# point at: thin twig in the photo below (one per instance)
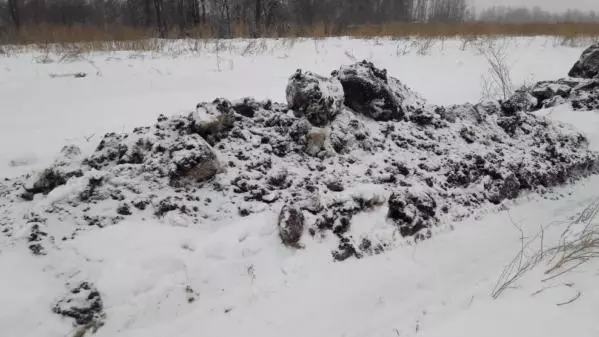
(543, 289)
(87, 139)
(563, 272)
(571, 300)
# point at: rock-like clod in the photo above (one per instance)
(588, 64)
(314, 97)
(291, 225)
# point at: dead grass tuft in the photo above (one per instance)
(578, 244)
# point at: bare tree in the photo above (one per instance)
(536, 14)
(15, 15)
(258, 15)
(448, 10)
(224, 25)
(181, 14)
(195, 12)
(204, 20)
(160, 21)
(148, 13)
(420, 10)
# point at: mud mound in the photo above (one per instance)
(369, 91)
(588, 65)
(580, 94)
(358, 142)
(580, 90)
(83, 304)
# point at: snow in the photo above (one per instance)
(170, 277)
(583, 121)
(514, 318)
(127, 89)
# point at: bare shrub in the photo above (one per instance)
(194, 46)
(519, 265)
(69, 55)
(402, 48)
(466, 41)
(255, 47)
(44, 58)
(424, 46)
(498, 81)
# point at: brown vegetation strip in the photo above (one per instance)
(80, 33)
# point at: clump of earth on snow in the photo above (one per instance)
(356, 142)
(84, 305)
(588, 65)
(580, 90)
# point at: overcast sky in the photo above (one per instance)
(551, 5)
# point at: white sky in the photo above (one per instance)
(550, 5)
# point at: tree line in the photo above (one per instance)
(256, 16)
(220, 15)
(504, 14)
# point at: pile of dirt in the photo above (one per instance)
(82, 303)
(580, 94)
(580, 90)
(588, 64)
(354, 142)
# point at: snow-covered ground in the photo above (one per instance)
(40, 113)
(233, 279)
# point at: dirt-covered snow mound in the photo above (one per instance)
(588, 64)
(580, 94)
(580, 90)
(358, 142)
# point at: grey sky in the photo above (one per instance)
(550, 5)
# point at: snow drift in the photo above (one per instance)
(356, 141)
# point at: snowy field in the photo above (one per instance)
(42, 112)
(159, 279)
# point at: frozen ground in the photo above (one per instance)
(158, 279)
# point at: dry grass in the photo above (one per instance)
(70, 34)
(474, 29)
(576, 247)
(578, 244)
(122, 37)
(519, 265)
